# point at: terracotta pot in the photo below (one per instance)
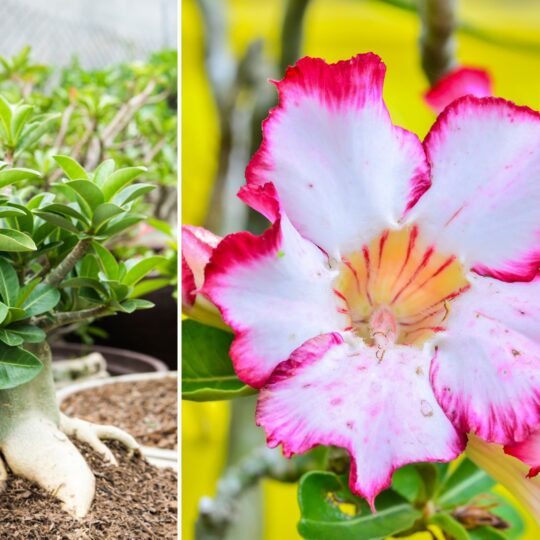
(119, 361)
(156, 456)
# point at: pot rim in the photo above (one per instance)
(158, 364)
(153, 453)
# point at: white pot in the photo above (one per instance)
(156, 456)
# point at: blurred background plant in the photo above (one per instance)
(230, 49)
(126, 112)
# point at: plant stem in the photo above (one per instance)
(437, 41)
(57, 275)
(36, 396)
(62, 318)
(216, 515)
(292, 33)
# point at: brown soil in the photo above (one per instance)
(134, 501)
(146, 409)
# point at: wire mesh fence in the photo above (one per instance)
(96, 32)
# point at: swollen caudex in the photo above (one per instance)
(397, 289)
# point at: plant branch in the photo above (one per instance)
(292, 33)
(56, 275)
(62, 318)
(437, 41)
(126, 113)
(216, 515)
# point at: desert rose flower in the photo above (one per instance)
(198, 245)
(393, 306)
(462, 81)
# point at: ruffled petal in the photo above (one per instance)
(462, 81)
(335, 391)
(342, 170)
(275, 291)
(486, 374)
(484, 200)
(527, 451)
(197, 246)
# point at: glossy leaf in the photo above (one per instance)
(106, 260)
(87, 192)
(9, 283)
(133, 304)
(451, 527)
(17, 366)
(207, 371)
(42, 299)
(132, 193)
(103, 171)
(73, 170)
(330, 512)
(120, 178)
(104, 213)
(11, 176)
(28, 332)
(141, 268)
(12, 240)
(464, 483)
(10, 338)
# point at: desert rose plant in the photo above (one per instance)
(390, 310)
(56, 271)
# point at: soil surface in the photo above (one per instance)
(133, 501)
(146, 409)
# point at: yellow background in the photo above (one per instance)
(335, 29)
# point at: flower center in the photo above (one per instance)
(397, 289)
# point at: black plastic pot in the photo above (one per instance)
(119, 361)
(150, 331)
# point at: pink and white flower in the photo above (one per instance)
(198, 244)
(462, 81)
(393, 306)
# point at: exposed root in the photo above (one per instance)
(3, 475)
(93, 434)
(38, 451)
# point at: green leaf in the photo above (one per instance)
(132, 304)
(141, 269)
(120, 178)
(17, 366)
(464, 483)
(323, 498)
(450, 526)
(86, 191)
(73, 170)
(149, 285)
(6, 114)
(106, 260)
(19, 119)
(132, 193)
(9, 283)
(10, 176)
(11, 211)
(15, 314)
(103, 171)
(207, 371)
(64, 210)
(79, 282)
(486, 533)
(15, 241)
(116, 226)
(507, 512)
(4, 310)
(42, 299)
(35, 130)
(104, 213)
(59, 221)
(408, 483)
(28, 332)
(10, 338)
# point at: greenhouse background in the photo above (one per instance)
(98, 33)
